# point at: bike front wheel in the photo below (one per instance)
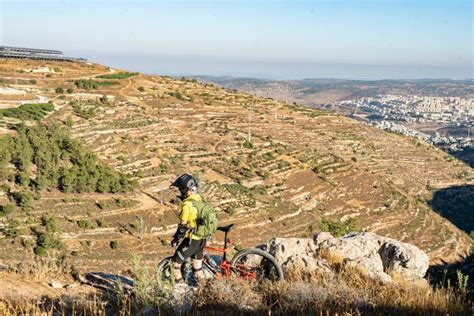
(165, 271)
(256, 264)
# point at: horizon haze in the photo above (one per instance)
(260, 39)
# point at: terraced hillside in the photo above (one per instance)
(299, 166)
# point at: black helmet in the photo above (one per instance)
(184, 183)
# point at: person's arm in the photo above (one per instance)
(182, 226)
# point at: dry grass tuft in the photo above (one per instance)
(228, 295)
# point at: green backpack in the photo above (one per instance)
(206, 219)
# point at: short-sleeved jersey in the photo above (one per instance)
(189, 214)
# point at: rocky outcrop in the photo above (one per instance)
(378, 257)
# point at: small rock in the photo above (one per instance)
(182, 297)
(320, 237)
(55, 284)
(72, 286)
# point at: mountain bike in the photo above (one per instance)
(251, 264)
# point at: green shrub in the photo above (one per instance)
(12, 230)
(247, 144)
(47, 240)
(113, 244)
(141, 89)
(123, 203)
(40, 251)
(69, 122)
(339, 228)
(69, 90)
(24, 199)
(59, 90)
(50, 223)
(74, 253)
(33, 81)
(104, 100)
(178, 95)
(6, 209)
(84, 223)
(102, 204)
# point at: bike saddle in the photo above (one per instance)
(227, 228)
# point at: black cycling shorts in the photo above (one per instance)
(189, 248)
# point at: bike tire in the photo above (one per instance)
(269, 268)
(164, 271)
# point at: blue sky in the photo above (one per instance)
(367, 39)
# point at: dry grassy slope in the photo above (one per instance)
(382, 179)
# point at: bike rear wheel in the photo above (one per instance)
(256, 264)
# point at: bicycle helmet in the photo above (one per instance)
(184, 183)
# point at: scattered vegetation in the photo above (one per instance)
(82, 111)
(118, 76)
(178, 95)
(89, 84)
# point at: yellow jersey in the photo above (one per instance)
(189, 214)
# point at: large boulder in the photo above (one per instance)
(285, 248)
(297, 256)
(404, 259)
(306, 265)
(378, 255)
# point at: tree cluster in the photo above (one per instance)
(29, 111)
(46, 157)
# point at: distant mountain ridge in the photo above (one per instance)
(316, 91)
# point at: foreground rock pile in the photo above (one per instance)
(378, 257)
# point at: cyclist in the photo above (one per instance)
(192, 245)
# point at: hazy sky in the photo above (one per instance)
(367, 39)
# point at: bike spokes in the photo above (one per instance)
(255, 267)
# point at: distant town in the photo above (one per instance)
(446, 122)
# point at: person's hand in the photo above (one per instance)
(174, 242)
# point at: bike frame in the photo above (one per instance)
(225, 267)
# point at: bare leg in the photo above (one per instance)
(177, 271)
(197, 268)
